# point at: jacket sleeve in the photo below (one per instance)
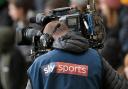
(111, 79)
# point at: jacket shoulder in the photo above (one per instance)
(92, 52)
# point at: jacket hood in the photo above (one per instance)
(71, 42)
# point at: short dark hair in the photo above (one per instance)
(56, 29)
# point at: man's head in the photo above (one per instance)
(56, 29)
(18, 8)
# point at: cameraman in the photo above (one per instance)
(69, 65)
(47, 69)
(72, 64)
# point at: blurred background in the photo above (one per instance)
(15, 56)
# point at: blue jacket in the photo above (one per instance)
(61, 69)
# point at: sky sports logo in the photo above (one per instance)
(65, 68)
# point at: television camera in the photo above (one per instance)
(88, 23)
